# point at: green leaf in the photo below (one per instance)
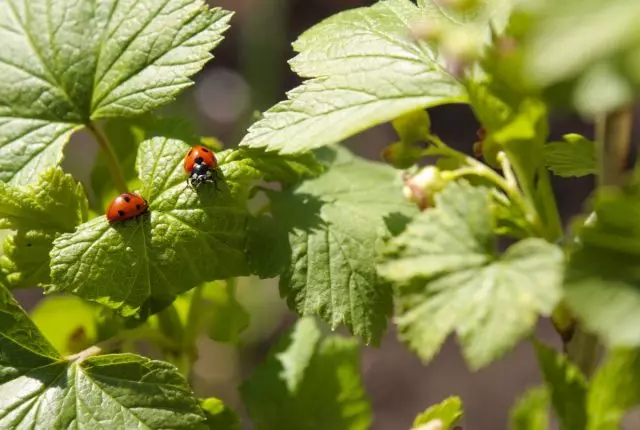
(228, 317)
(185, 239)
(576, 156)
(40, 389)
(67, 322)
(66, 64)
(125, 136)
(364, 69)
(327, 390)
(602, 283)
(448, 412)
(330, 227)
(583, 52)
(219, 416)
(255, 164)
(39, 212)
(449, 279)
(531, 411)
(615, 389)
(567, 386)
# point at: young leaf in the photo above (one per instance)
(67, 63)
(449, 279)
(576, 156)
(228, 317)
(332, 225)
(448, 412)
(39, 388)
(308, 383)
(255, 164)
(615, 389)
(602, 279)
(586, 46)
(39, 212)
(219, 416)
(145, 262)
(365, 69)
(567, 386)
(531, 411)
(67, 322)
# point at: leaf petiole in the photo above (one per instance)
(112, 160)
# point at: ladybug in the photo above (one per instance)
(126, 206)
(200, 165)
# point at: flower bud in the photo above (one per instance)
(427, 30)
(422, 187)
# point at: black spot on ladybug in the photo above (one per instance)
(190, 152)
(121, 213)
(138, 206)
(205, 150)
(127, 199)
(199, 160)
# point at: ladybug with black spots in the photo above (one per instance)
(126, 206)
(200, 164)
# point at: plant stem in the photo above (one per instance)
(613, 132)
(506, 183)
(104, 346)
(112, 160)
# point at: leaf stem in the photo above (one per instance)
(613, 133)
(506, 183)
(99, 348)
(112, 160)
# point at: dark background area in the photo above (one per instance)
(250, 73)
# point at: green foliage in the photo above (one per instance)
(37, 213)
(447, 411)
(131, 391)
(614, 390)
(587, 49)
(66, 68)
(68, 323)
(449, 278)
(531, 412)
(342, 234)
(308, 383)
(363, 69)
(147, 261)
(575, 156)
(329, 229)
(602, 277)
(567, 387)
(218, 415)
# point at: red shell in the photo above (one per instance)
(126, 206)
(203, 153)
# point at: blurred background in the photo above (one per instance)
(250, 73)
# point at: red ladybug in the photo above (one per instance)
(126, 206)
(200, 164)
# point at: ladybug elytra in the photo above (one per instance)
(200, 164)
(126, 206)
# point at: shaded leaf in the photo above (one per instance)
(449, 279)
(531, 411)
(327, 229)
(328, 392)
